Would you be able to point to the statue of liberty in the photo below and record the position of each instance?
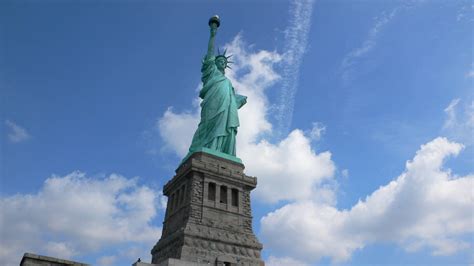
(217, 129)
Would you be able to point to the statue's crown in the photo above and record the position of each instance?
(223, 55)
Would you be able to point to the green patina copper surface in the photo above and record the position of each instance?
(217, 129)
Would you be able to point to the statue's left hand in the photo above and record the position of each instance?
(241, 100)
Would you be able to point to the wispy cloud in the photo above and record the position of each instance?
(369, 43)
(465, 13)
(470, 73)
(296, 43)
(17, 133)
(451, 113)
(317, 131)
(459, 123)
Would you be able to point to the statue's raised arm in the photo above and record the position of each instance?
(217, 129)
(214, 23)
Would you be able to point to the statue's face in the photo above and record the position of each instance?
(220, 63)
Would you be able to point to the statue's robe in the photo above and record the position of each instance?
(219, 119)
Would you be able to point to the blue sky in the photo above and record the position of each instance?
(359, 125)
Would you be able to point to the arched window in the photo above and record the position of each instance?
(224, 194)
(235, 197)
(211, 192)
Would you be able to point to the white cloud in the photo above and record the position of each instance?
(345, 173)
(295, 46)
(177, 130)
(317, 131)
(287, 170)
(459, 123)
(60, 249)
(107, 260)
(253, 73)
(17, 133)
(307, 231)
(427, 206)
(285, 261)
(470, 73)
(75, 214)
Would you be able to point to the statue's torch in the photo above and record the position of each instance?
(214, 22)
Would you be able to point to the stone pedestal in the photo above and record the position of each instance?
(208, 219)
